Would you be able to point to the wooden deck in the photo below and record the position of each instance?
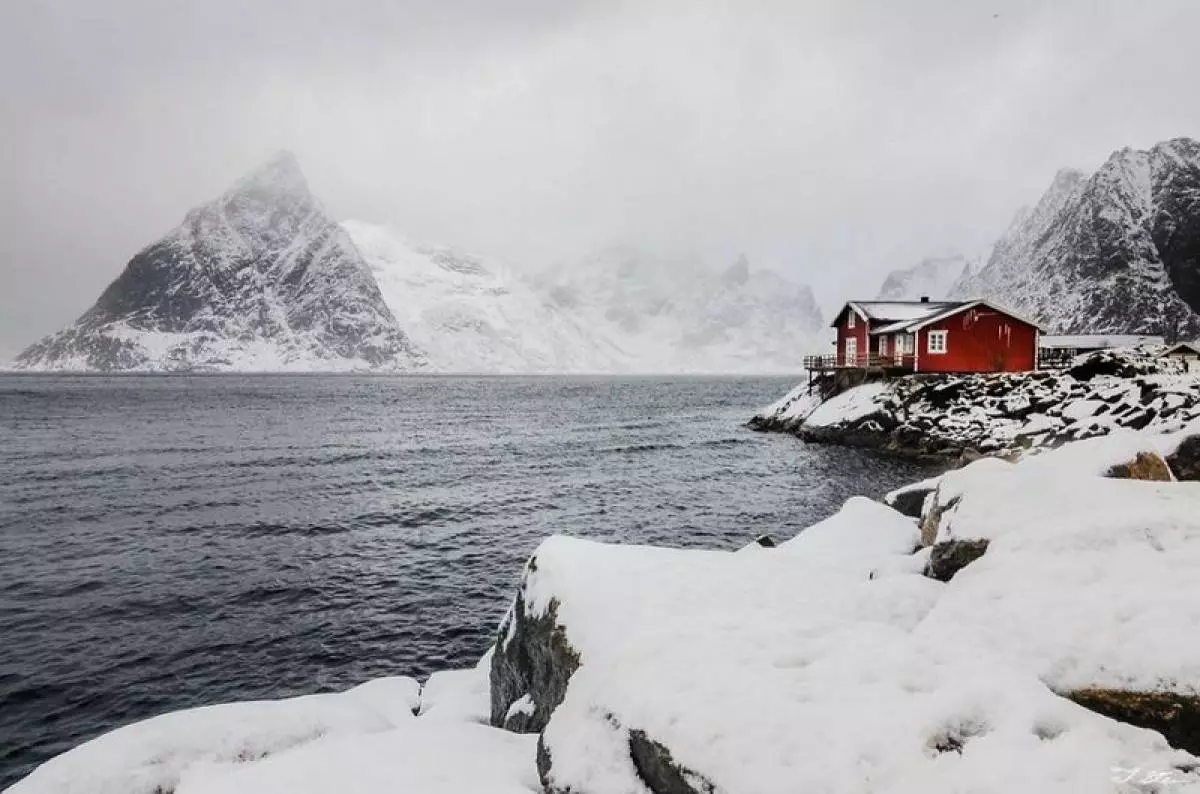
(829, 363)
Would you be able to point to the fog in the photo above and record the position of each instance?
(832, 141)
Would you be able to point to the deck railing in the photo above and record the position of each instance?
(861, 361)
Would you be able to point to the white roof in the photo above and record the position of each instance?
(944, 310)
(1098, 341)
(896, 310)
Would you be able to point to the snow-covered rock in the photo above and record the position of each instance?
(154, 755)
(462, 695)
(1114, 252)
(259, 279)
(942, 415)
(790, 670)
(421, 756)
(933, 277)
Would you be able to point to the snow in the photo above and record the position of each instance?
(791, 409)
(153, 755)
(848, 406)
(741, 665)
(420, 756)
(1096, 341)
(523, 705)
(902, 310)
(1087, 581)
(860, 537)
(461, 695)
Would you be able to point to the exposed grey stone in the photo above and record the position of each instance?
(949, 557)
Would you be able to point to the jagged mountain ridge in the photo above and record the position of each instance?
(257, 279)
(932, 277)
(1114, 252)
(260, 279)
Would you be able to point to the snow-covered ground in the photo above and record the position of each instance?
(363, 740)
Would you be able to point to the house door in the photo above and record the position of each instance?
(851, 352)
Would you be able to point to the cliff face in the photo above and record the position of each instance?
(259, 278)
(1116, 252)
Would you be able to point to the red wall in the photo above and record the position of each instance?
(979, 340)
(859, 332)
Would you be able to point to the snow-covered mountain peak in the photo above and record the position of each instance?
(256, 279)
(1114, 252)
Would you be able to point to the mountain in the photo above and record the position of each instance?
(258, 279)
(933, 277)
(678, 316)
(261, 279)
(468, 314)
(1114, 252)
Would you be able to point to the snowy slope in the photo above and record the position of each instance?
(1116, 252)
(933, 277)
(258, 279)
(471, 315)
(678, 316)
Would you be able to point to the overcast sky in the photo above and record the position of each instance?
(834, 141)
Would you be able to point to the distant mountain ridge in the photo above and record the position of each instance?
(1117, 251)
(261, 279)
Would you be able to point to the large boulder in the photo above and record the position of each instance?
(910, 499)
(695, 672)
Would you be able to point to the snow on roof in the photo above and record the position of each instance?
(890, 311)
(947, 310)
(1098, 341)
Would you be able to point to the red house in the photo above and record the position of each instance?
(926, 336)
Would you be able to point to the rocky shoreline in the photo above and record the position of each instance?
(952, 416)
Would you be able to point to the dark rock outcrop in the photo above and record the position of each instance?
(533, 658)
(1175, 716)
(949, 557)
(909, 501)
(660, 772)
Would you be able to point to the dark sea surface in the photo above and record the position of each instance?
(168, 542)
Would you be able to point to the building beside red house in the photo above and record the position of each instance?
(931, 336)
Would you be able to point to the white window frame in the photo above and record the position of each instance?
(852, 319)
(883, 346)
(943, 338)
(906, 344)
(850, 356)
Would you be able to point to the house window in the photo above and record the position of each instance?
(883, 346)
(851, 352)
(850, 320)
(906, 344)
(937, 341)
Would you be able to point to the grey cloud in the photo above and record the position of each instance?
(830, 140)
